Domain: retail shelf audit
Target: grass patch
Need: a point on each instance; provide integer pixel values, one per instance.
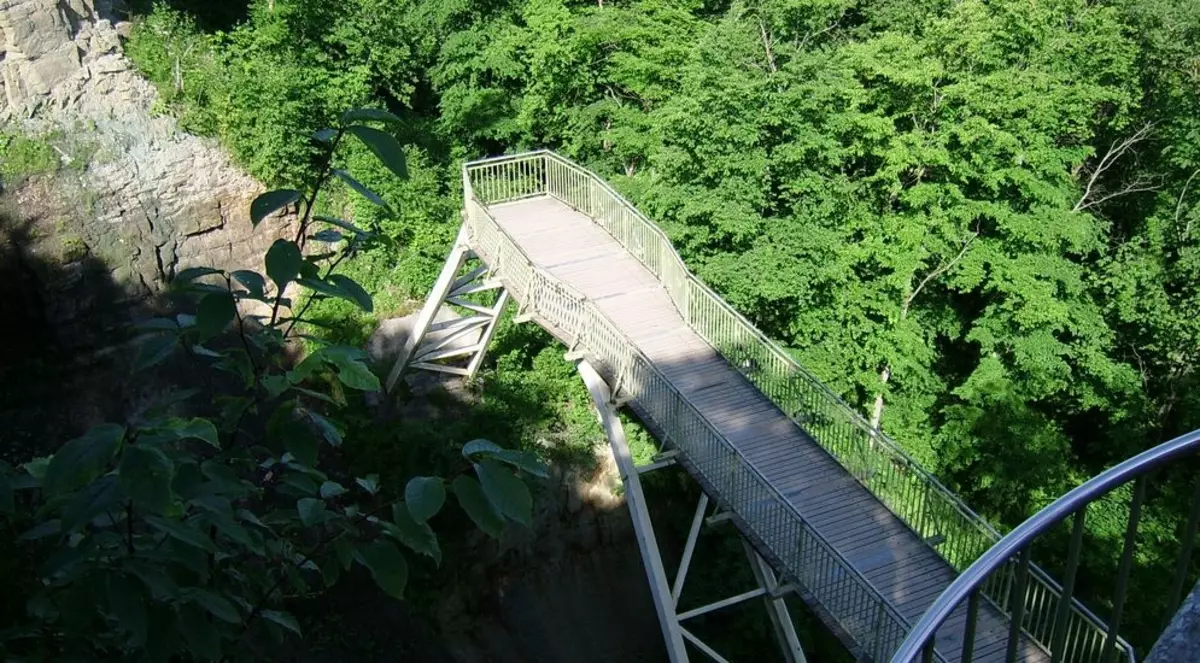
(22, 157)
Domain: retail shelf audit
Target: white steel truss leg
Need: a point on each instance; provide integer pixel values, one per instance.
(442, 346)
(666, 597)
(642, 527)
(777, 610)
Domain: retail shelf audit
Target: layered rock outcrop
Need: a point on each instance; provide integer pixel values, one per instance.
(149, 198)
(88, 248)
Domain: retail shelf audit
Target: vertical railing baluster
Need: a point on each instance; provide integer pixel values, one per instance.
(1185, 556)
(1135, 512)
(1016, 608)
(968, 650)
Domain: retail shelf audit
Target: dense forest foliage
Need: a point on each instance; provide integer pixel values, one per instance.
(979, 222)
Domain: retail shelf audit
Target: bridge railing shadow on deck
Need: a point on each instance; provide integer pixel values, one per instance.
(914, 495)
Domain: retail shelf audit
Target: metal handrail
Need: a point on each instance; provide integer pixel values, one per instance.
(872, 457)
(808, 557)
(1050, 516)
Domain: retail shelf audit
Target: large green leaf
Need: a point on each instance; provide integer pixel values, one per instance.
(286, 429)
(344, 225)
(365, 114)
(310, 510)
(344, 548)
(523, 460)
(196, 428)
(219, 606)
(283, 262)
(480, 447)
(508, 494)
(127, 603)
(199, 633)
(270, 202)
(83, 459)
(321, 287)
(356, 375)
(424, 497)
(254, 282)
(417, 536)
(385, 148)
(145, 475)
(97, 497)
(185, 532)
(153, 349)
(369, 483)
(216, 311)
(361, 189)
(329, 431)
(386, 564)
(185, 276)
(284, 619)
(353, 291)
(478, 507)
(332, 489)
(161, 586)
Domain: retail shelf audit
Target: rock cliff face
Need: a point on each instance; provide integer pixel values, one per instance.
(86, 249)
(154, 199)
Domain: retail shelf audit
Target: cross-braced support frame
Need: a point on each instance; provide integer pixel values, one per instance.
(456, 344)
(666, 595)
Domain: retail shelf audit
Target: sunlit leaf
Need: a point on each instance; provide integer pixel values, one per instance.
(353, 291)
(361, 189)
(385, 147)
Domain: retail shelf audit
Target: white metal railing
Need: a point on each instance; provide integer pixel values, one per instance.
(799, 549)
(914, 495)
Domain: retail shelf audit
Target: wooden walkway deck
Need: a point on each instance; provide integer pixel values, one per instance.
(907, 572)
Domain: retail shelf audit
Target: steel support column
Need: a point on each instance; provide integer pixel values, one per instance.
(636, 500)
(665, 593)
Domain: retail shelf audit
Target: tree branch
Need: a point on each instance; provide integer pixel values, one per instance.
(938, 271)
(1183, 236)
(302, 225)
(1115, 152)
(766, 40)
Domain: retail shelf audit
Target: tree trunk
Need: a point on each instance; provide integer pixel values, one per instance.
(877, 413)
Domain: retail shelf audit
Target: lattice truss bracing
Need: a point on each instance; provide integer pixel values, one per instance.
(458, 320)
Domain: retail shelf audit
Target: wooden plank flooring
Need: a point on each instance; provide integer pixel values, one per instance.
(908, 573)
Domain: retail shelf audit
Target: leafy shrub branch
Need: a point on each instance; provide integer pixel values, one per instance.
(170, 535)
